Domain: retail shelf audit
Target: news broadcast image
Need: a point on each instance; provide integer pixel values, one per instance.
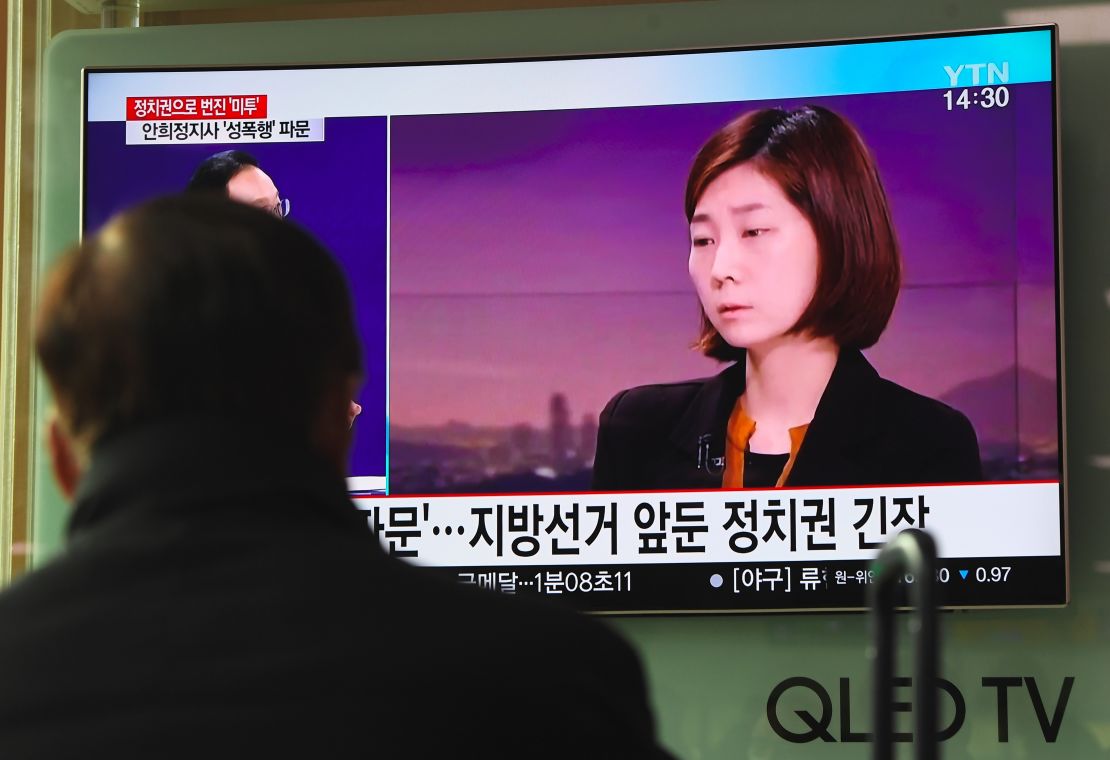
(518, 251)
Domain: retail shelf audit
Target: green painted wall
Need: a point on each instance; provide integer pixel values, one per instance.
(712, 676)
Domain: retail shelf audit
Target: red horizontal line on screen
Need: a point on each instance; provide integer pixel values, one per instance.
(703, 490)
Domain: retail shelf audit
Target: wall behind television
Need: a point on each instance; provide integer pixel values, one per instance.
(711, 677)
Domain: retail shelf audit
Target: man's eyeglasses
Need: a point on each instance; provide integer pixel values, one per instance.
(281, 208)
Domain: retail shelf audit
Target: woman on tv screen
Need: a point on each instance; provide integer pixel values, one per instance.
(796, 264)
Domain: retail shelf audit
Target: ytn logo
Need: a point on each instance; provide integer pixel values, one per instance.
(974, 73)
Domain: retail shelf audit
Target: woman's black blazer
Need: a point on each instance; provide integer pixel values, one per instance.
(866, 431)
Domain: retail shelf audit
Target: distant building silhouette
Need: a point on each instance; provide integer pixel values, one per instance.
(562, 440)
(467, 457)
(522, 437)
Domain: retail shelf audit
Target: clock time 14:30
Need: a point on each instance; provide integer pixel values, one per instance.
(982, 97)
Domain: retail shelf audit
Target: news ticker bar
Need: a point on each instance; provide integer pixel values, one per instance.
(759, 586)
(898, 65)
(659, 528)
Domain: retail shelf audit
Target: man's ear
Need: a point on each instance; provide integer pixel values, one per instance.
(64, 457)
(333, 426)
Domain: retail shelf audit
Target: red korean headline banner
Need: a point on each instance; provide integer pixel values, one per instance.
(196, 107)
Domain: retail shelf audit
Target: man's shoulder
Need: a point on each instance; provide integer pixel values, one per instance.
(377, 632)
(503, 626)
(485, 646)
(38, 591)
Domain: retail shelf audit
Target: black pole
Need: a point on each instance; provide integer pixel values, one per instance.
(911, 551)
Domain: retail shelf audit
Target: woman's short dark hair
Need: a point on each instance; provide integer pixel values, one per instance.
(823, 166)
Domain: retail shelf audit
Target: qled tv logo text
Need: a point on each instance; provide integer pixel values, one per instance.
(1048, 706)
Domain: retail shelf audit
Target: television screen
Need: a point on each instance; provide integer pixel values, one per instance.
(669, 331)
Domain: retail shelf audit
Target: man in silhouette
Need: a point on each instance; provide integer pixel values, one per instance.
(219, 595)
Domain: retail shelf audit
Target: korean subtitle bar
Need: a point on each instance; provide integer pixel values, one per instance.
(713, 526)
(224, 131)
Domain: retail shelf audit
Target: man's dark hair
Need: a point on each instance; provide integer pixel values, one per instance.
(216, 171)
(822, 165)
(195, 305)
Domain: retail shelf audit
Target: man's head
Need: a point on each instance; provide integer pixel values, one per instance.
(198, 306)
(236, 174)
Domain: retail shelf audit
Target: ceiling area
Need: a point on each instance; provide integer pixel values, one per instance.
(325, 8)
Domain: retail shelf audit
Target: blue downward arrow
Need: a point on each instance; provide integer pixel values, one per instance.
(963, 574)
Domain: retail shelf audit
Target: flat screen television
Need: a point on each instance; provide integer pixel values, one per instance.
(682, 331)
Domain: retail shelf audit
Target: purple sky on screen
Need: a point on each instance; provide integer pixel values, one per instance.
(337, 190)
(546, 251)
(1034, 200)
